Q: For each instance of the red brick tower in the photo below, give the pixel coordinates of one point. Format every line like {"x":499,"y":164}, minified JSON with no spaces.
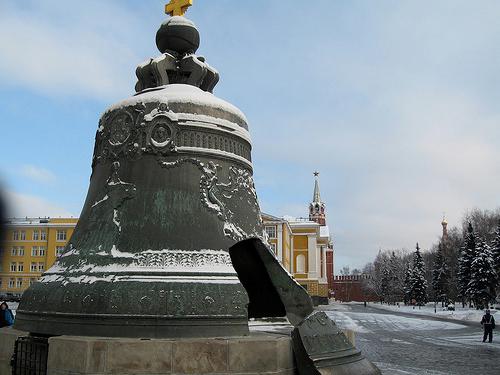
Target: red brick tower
{"x":316,"y":207}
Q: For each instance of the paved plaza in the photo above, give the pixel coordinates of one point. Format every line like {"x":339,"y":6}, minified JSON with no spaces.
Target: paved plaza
{"x":400,"y":343}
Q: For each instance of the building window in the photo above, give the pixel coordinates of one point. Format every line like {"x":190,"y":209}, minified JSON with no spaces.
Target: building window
{"x":43,"y":235}
{"x":36,"y":235}
{"x":34,"y":251}
{"x":11,"y":283}
{"x":301,"y":263}
{"x":59,"y":250}
{"x":19,"y":283}
{"x":20,"y":267}
{"x":15,"y":235}
{"x":33,"y":267}
{"x":13,"y":267}
{"x":273,"y":247}
{"x":23,"y":235}
{"x":271,"y":231}
{"x":41,"y":251}
{"x":14,"y":251}
{"x":20,"y":251}
{"x":32,"y":281}
{"x":41,"y":267}
{"x":61,"y":235}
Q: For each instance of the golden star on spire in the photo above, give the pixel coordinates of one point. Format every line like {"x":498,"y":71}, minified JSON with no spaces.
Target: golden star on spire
{"x":177,"y":7}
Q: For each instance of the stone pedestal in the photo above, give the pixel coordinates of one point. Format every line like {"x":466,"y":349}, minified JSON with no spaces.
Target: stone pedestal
{"x":8,"y":337}
{"x":76,"y":355}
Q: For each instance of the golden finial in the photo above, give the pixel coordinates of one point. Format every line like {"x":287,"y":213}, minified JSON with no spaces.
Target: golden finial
{"x":177,"y":7}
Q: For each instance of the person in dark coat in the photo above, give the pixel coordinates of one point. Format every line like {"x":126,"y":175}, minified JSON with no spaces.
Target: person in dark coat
{"x":6,"y":316}
{"x":488,"y":323}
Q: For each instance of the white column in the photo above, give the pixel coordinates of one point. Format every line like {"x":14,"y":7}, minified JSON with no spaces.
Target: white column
{"x":325,"y":279}
{"x":312,"y":252}
{"x":279,"y":245}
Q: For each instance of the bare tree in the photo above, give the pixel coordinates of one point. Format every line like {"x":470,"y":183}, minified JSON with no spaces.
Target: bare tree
{"x":484,"y":222}
{"x":345,"y":271}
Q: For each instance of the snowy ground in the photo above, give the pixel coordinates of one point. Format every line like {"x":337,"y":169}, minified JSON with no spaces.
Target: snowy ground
{"x":463,"y":314}
{"x":358,"y":322}
{"x":399,"y":343}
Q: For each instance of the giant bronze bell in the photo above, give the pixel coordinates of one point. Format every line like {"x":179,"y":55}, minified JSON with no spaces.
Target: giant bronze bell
{"x":169,"y":243}
{"x":171,"y":190}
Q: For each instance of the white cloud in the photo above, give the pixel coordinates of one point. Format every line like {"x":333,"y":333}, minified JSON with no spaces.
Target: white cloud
{"x":55,"y":51}
{"x":38,"y":174}
{"x":22,"y":205}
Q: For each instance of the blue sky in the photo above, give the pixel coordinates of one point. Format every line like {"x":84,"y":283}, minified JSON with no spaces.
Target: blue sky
{"x":394,"y":102}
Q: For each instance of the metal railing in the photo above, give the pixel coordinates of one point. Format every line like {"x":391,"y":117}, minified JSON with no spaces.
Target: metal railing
{"x":30,"y":356}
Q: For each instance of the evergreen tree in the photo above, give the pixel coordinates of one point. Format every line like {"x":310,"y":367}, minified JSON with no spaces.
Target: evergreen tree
{"x":495,"y":252}
{"x":394,"y":294}
{"x":407,"y":284}
{"x":440,"y":276}
{"x":467,"y":255}
{"x":481,"y":287}
{"x":418,"y":282}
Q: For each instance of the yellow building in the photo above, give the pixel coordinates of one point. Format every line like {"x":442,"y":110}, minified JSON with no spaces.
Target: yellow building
{"x":31,"y":246}
{"x":302,"y":246}
{"x":310,"y":244}
{"x":279,"y":238}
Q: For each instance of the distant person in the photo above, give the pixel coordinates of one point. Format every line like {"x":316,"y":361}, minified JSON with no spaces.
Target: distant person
{"x":488,"y":323}
{"x":6,"y":316}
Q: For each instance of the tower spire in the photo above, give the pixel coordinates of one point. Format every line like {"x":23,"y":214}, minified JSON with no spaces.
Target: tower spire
{"x":444,"y":223}
{"x":316,"y":207}
{"x":316,"y":195}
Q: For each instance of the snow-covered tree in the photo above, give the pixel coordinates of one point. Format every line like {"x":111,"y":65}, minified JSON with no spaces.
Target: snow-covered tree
{"x":467,"y":255}
{"x":408,"y":284}
{"x":418,"y":282}
{"x":484,"y":222}
{"x":481,"y":287}
{"x":451,"y":250}
{"x":375,"y":270}
{"x":386,"y":279}
{"x":386,"y":275}
{"x":495,"y":252}
{"x":396,"y":269}
{"x":440,"y":276}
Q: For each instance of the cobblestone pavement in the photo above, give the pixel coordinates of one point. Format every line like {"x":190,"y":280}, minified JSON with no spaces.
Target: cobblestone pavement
{"x":404,"y":344}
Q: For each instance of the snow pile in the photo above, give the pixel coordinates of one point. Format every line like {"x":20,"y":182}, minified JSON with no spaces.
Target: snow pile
{"x":462,"y":314}
{"x":393,"y":369}
{"x":356,"y":322}
{"x":346,"y":322}
{"x":182,"y":94}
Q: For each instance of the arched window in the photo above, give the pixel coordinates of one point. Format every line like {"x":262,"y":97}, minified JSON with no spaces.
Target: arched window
{"x":301,"y":264}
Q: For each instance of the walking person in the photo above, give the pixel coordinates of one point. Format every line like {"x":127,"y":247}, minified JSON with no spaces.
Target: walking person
{"x":6,"y":316}
{"x":488,"y":323}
